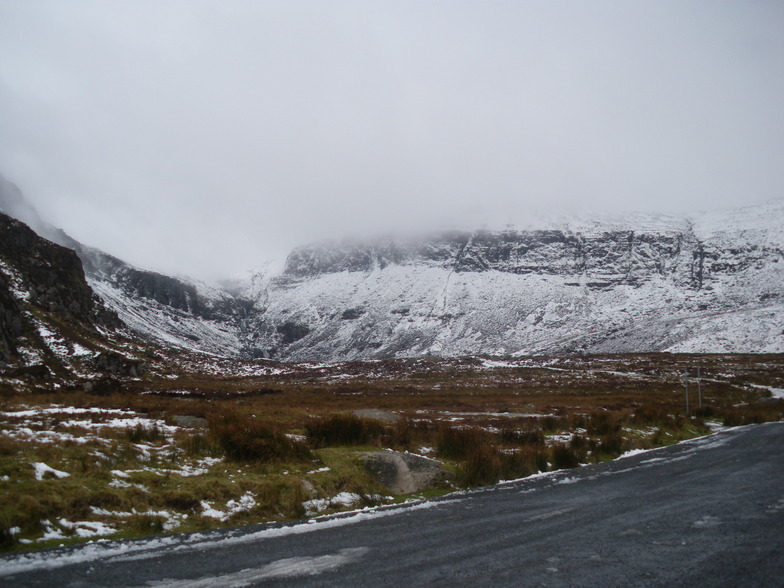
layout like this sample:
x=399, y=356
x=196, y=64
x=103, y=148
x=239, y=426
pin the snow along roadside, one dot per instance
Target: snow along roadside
x=146, y=549
x=134, y=550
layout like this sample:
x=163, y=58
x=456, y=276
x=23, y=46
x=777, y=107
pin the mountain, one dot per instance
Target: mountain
x=710, y=283
x=53, y=328
x=630, y=283
x=168, y=310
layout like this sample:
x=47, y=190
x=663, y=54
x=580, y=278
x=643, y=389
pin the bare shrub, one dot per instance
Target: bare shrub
x=344, y=429
x=482, y=466
x=524, y=437
x=612, y=444
x=486, y=464
x=522, y=463
x=146, y=524
x=181, y=500
x=9, y=446
x=199, y=444
x=141, y=433
x=244, y=439
x=460, y=444
x=603, y=423
x=7, y=538
x=564, y=457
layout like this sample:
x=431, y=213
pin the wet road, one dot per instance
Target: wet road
x=709, y=512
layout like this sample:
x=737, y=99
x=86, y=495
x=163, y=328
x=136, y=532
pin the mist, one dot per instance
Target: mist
x=201, y=138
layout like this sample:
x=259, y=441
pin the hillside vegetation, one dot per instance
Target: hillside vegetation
x=198, y=442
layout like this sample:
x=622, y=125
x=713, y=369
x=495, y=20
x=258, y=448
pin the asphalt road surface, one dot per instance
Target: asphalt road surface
x=709, y=512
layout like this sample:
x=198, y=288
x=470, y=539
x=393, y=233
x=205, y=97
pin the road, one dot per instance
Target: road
x=709, y=512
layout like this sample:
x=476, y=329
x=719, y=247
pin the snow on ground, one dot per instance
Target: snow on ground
x=128, y=420
x=37, y=426
x=65, y=410
x=41, y=469
x=344, y=499
x=17, y=287
x=490, y=364
x=453, y=415
x=774, y=392
x=86, y=528
x=140, y=550
x=632, y=453
x=168, y=325
x=172, y=520
x=318, y=471
x=41, y=425
x=51, y=532
x=43, y=436
x=148, y=549
x=558, y=439
x=200, y=467
x=243, y=504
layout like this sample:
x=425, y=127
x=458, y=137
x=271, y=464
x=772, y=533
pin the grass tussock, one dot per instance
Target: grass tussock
x=752, y=414
x=243, y=438
x=142, y=434
x=345, y=429
x=564, y=457
x=461, y=443
x=487, y=464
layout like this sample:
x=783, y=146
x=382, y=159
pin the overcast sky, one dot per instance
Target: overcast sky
x=203, y=137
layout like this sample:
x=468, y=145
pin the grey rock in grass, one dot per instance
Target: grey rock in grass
x=189, y=421
x=308, y=488
x=379, y=415
x=404, y=473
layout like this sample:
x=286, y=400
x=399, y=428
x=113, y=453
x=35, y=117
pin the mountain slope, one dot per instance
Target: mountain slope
x=631, y=283
x=167, y=310
x=53, y=328
x=712, y=283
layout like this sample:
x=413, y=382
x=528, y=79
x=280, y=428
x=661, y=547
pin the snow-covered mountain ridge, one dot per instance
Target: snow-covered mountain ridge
x=709, y=283
x=630, y=283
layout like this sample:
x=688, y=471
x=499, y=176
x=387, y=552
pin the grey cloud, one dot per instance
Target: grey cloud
x=201, y=138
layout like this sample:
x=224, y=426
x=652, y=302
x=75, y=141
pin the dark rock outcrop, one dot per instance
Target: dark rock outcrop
x=10, y=322
x=119, y=365
x=609, y=257
x=404, y=473
x=141, y=283
x=52, y=275
x=292, y=331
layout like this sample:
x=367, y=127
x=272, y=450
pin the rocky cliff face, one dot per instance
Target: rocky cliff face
x=594, y=256
x=52, y=326
x=610, y=258
x=711, y=283
x=10, y=322
x=171, y=311
x=167, y=309
x=52, y=275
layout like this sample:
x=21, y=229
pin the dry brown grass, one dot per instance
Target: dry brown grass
x=487, y=423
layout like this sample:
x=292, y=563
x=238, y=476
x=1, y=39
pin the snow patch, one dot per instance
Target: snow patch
x=342, y=500
x=246, y=502
x=41, y=469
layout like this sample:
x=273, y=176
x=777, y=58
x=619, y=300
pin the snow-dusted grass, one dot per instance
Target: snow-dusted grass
x=75, y=466
x=117, y=473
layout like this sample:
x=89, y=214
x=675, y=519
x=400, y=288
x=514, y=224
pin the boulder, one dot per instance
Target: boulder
x=404, y=473
x=188, y=421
